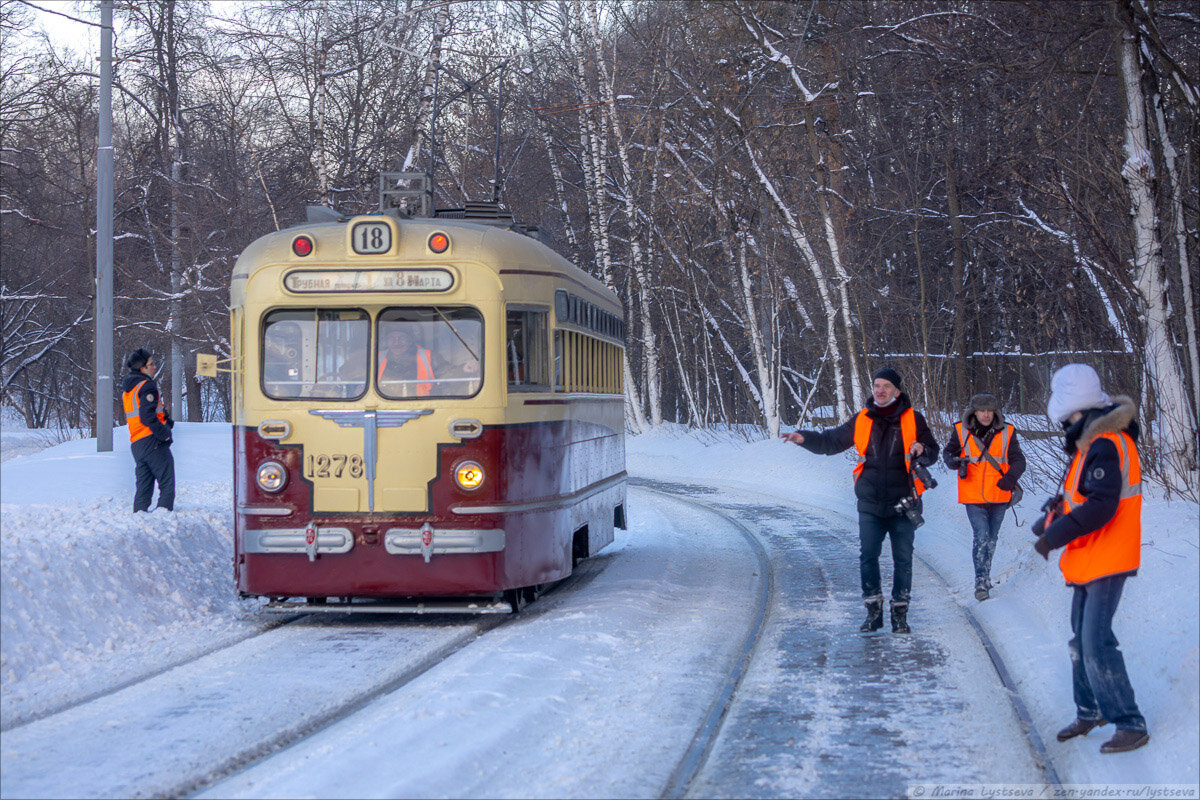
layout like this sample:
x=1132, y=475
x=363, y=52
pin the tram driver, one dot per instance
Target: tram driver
x=405, y=369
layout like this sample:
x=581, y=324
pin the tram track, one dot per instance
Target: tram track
x=1041, y=755
x=20, y=720
x=174, y=697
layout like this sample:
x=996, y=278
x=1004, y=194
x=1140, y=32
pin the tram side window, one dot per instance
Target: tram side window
x=526, y=349
x=429, y=352
x=315, y=353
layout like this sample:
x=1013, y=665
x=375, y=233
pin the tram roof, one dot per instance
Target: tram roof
x=489, y=245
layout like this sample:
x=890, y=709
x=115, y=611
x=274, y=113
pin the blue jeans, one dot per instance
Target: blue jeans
x=1102, y=689
x=871, y=532
x=985, y=519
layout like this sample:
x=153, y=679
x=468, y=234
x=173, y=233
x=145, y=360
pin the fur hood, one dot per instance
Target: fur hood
x=1114, y=419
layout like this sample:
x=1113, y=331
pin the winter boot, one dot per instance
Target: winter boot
x=982, y=585
x=1124, y=741
x=874, y=619
x=1080, y=727
x=900, y=617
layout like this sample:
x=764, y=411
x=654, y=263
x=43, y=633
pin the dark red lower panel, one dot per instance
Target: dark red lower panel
x=526, y=463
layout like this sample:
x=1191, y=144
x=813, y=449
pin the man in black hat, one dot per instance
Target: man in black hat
x=149, y=432
x=890, y=436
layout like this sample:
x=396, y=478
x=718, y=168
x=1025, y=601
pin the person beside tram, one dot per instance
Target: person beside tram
x=983, y=449
x=150, y=427
x=404, y=365
x=1096, y=517
x=890, y=436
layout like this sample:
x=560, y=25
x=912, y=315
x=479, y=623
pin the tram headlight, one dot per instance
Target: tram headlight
x=271, y=476
x=468, y=475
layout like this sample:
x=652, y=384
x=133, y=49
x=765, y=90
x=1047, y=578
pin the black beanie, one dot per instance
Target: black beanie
x=888, y=374
x=138, y=359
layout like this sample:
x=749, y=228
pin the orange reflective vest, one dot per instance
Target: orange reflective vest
x=908, y=434
x=983, y=470
x=424, y=371
x=1115, y=548
x=133, y=416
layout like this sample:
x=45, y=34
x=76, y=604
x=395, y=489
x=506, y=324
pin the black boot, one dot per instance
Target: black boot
x=874, y=619
x=900, y=617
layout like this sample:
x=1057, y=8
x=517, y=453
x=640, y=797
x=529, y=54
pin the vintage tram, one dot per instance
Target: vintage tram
x=428, y=414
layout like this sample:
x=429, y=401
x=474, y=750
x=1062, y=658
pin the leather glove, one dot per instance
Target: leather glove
x=1005, y=484
x=1042, y=545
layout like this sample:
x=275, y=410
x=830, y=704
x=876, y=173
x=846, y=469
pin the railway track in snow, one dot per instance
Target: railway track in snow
x=174, y=730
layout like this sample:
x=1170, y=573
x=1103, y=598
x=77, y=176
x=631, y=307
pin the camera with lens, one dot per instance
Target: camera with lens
x=911, y=508
x=962, y=464
x=922, y=474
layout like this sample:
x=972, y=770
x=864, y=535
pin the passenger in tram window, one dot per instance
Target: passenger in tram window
x=983, y=449
x=893, y=443
x=1097, y=518
x=405, y=369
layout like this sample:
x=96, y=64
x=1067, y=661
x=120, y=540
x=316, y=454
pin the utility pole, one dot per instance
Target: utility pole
x=104, y=242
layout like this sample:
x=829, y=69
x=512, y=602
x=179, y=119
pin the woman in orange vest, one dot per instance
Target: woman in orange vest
x=149, y=433
x=889, y=435
x=1097, y=517
x=983, y=449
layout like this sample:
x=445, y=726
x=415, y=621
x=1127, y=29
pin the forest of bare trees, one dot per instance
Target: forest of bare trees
x=788, y=196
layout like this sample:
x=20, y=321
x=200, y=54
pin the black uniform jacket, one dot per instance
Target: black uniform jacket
x=1100, y=479
x=884, y=480
x=147, y=405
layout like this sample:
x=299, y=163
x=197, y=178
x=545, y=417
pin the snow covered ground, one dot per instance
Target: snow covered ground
x=93, y=596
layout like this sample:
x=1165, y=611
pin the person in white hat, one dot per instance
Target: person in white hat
x=1097, y=519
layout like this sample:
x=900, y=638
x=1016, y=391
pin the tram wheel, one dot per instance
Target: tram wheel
x=516, y=598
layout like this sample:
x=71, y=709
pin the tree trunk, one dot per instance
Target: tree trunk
x=1172, y=414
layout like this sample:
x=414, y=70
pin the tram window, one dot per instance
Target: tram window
x=315, y=353
x=429, y=352
x=525, y=349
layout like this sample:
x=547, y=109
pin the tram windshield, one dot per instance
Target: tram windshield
x=315, y=353
x=429, y=352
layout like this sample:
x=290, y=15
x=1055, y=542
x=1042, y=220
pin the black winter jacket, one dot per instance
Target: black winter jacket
x=884, y=480
x=1100, y=476
x=1016, y=458
x=147, y=405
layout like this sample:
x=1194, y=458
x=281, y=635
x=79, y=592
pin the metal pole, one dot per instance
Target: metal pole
x=499, y=105
x=437, y=71
x=104, y=242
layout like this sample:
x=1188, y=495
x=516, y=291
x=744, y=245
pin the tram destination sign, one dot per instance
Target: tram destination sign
x=369, y=280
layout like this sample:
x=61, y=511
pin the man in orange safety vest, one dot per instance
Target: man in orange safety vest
x=890, y=437
x=149, y=433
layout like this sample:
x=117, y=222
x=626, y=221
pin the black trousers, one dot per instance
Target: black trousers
x=871, y=532
x=154, y=463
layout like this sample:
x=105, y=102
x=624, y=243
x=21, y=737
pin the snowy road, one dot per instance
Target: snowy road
x=827, y=712
x=613, y=686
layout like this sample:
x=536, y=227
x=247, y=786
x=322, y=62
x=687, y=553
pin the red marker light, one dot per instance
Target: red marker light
x=439, y=243
x=302, y=245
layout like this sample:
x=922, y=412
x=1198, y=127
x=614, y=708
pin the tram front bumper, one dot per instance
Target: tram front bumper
x=425, y=541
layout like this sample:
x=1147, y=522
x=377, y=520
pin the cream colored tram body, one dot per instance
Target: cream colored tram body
x=425, y=409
